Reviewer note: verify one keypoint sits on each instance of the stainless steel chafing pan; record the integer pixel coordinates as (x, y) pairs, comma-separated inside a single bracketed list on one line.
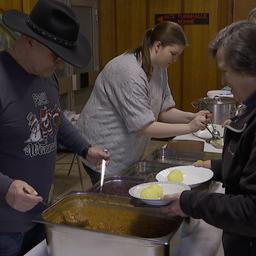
[(174, 157), (146, 170), (116, 227)]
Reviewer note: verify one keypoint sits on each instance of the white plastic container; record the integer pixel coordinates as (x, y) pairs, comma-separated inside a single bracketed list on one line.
[(220, 93)]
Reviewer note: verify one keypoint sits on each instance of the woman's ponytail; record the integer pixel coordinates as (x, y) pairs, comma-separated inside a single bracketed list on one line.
[(146, 60)]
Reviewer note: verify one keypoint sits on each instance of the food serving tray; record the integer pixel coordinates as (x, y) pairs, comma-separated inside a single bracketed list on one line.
[(146, 170), (175, 157), (100, 224)]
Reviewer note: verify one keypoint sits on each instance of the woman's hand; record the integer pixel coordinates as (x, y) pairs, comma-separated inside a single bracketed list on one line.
[(206, 113), (198, 123), (205, 164), (174, 209)]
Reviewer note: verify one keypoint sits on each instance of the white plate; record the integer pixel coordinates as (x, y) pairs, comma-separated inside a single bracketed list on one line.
[(168, 189), (192, 176), (205, 134)]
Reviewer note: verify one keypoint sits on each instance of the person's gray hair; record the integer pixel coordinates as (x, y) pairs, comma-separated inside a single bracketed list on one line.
[(252, 16), (239, 48), (225, 32)]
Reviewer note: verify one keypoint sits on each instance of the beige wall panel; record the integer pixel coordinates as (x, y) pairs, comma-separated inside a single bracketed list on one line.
[(242, 8), (199, 70), (130, 23), (107, 28), (225, 13), (10, 4), (28, 5)]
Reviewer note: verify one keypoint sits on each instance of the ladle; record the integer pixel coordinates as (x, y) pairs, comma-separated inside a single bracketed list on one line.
[(103, 169), (215, 133)]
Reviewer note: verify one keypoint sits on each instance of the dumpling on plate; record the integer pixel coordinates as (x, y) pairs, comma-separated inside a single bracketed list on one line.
[(153, 191), (217, 143)]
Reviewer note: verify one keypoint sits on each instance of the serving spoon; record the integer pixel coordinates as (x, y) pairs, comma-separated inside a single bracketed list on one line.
[(215, 133), (103, 169)]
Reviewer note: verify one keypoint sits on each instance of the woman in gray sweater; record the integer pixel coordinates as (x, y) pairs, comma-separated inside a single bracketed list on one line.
[(132, 102)]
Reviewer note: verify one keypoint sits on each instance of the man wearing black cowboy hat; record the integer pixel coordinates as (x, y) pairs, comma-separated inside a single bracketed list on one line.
[(31, 121)]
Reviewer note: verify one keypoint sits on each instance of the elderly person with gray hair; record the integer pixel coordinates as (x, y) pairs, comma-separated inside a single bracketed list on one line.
[(235, 211), (252, 15)]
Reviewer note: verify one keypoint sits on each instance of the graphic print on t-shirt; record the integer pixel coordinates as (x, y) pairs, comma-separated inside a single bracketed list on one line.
[(35, 131), (42, 129)]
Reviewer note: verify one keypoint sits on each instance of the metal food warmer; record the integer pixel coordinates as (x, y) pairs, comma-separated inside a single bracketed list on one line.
[(100, 224)]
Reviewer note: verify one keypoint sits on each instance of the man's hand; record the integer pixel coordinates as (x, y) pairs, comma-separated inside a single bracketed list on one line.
[(95, 156), (174, 209), (21, 196)]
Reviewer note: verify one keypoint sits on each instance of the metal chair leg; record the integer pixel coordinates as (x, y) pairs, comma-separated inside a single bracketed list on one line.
[(50, 196), (76, 157), (72, 162), (80, 172)]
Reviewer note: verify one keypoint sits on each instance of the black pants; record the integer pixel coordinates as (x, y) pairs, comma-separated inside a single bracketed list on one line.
[(94, 176), (235, 245)]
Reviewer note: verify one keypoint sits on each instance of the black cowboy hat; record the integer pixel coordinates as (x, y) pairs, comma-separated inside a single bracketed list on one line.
[(53, 24)]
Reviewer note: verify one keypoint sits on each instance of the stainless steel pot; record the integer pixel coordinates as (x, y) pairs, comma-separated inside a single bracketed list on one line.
[(222, 108)]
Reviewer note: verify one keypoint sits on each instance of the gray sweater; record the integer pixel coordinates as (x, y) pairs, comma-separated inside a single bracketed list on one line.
[(123, 102)]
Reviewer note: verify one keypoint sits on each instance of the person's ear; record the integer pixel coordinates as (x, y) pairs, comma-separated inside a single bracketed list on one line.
[(157, 45)]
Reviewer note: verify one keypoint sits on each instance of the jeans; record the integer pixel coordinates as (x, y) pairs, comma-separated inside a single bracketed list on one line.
[(18, 243)]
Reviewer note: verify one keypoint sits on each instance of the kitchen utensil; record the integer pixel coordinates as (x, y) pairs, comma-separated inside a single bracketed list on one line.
[(206, 135), (209, 130), (222, 108), (103, 169), (214, 132)]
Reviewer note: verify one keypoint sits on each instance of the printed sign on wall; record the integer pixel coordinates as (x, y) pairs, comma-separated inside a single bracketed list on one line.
[(184, 18)]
